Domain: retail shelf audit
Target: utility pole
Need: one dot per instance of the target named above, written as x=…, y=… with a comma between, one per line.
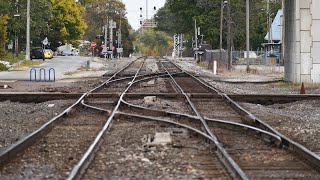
x=283, y=33
x=28, y=31
x=229, y=37
x=120, y=37
x=16, y=39
x=268, y=20
x=221, y=28
x=147, y=9
x=248, y=32
x=105, y=39
x=196, y=38
x=111, y=25
x=141, y=21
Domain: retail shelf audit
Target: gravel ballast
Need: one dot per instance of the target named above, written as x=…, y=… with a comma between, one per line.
x=298, y=120
x=19, y=119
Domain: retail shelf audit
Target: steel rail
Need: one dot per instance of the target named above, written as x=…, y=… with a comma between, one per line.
x=19, y=146
x=235, y=125
x=225, y=123
x=229, y=163
x=221, y=153
x=14, y=149
x=36, y=97
x=297, y=148
x=166, y=121
x=113, y=76
x=130, y=77
x=95, y=108
x=160, y=112
x=197, y=79
x=191, y=104
x=88, y=156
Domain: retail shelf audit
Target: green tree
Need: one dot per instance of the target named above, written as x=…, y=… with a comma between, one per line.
x=67, y=25
x=3, y=34
x=98, y=13
x=155, y=43
x=177, y=16
x=4, y=11
x=4, y=7
x=40, y=13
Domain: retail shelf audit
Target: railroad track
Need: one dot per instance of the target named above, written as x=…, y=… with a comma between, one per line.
x=110, y=133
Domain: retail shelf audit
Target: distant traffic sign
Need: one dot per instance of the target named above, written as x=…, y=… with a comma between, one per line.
x=93, y=44
x=45, y=41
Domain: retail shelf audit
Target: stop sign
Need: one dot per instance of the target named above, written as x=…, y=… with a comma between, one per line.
x=93, y=44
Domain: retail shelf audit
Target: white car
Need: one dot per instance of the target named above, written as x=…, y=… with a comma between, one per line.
x=75, y=52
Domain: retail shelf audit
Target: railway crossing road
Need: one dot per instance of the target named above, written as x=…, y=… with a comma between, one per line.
x=62, y=65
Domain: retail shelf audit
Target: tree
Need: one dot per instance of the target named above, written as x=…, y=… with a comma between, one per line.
x=41, y=14
x=4, y=10
x=155, y=43
x=67, y=25
x=4, y=7
x=177, y=16
x=3, y=34
x=97, y=15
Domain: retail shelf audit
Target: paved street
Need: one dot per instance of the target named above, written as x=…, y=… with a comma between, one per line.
x=61, y=64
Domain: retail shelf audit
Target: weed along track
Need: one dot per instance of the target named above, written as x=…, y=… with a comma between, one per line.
x=152, y=120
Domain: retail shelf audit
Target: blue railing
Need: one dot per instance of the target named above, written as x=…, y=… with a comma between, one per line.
x=42, y=75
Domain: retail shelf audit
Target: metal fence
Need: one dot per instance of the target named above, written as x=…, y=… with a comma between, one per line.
x=240, y=58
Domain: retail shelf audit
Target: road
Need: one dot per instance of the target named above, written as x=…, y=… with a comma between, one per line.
x=61, y=64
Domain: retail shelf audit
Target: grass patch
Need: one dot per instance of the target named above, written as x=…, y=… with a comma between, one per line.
x=25, y=65
x=31, y=63
x=3, y=67
x=202, y=64
x=10, y=57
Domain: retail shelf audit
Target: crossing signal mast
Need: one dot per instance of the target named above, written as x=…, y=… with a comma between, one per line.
x=147, y=23
x=178, y=45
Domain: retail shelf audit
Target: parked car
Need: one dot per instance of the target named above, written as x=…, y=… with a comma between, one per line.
x=75, y=52
x=37, y=53
x=48, y=54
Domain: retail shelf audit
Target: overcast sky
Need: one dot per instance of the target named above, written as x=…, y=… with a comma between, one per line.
x=133, y=10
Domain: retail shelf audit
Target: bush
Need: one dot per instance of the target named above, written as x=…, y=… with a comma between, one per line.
x=10, y=57
x=3, y=67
